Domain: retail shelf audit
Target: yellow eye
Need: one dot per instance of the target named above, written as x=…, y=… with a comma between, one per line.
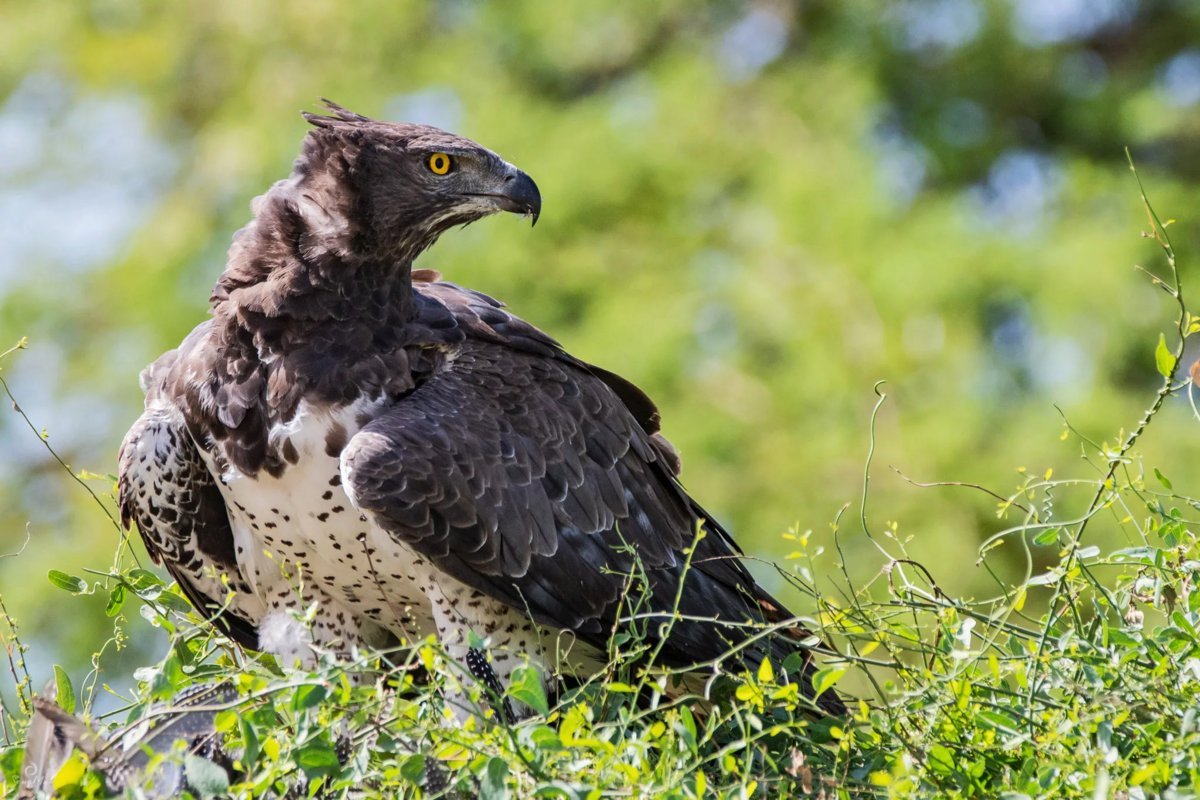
x=439, y=163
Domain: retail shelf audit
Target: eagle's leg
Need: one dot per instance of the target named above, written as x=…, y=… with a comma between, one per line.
x=512, y=640
x=481, y=669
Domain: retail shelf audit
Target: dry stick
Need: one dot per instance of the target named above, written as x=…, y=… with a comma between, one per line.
x=1175, y=290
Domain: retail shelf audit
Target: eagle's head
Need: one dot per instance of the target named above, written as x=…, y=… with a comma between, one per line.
x=390, y=189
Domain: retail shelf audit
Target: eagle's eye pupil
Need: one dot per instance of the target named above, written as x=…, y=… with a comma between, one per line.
x=439, y=163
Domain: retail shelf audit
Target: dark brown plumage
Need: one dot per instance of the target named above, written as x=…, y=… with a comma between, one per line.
x=428, y=462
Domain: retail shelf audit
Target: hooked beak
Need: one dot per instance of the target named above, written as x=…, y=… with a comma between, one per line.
x=518, y=194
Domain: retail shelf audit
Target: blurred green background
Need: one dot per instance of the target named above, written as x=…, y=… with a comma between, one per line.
x=755, y=210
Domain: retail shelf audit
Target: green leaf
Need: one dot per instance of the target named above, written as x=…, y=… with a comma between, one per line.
x=71, y=774
x=1119, y=638
x=1164, y=359
x=825, y=678
x=11, y=761
x=1145, y=772
x=617, y=687
x=412, y=769
x=1046, y=537
x=66, y=582
x=941, y=760
x=174, y=602
x=116, y=600
x=205, y=777
x=225, y=721
x=142, y=579
x=1163, y=480
x=998, y=721
x=308, y=696
x=493, y=784
x=1182, y=621
x=689, y=728
x=64, y=691
x=543, y=737
x=252, y=744
x=525, y=685
x=317, y=759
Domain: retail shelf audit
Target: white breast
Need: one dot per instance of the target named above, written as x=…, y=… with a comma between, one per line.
x=300, y=535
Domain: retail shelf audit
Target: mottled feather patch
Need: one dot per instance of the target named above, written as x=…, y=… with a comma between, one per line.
x=335, y=440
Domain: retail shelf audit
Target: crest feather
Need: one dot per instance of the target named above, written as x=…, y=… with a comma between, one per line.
x=340, y=116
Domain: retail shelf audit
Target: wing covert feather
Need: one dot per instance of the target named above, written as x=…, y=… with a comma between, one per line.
x=529, y=479
x=165, y=487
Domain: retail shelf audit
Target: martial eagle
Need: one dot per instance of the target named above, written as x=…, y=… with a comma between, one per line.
x=403, y=453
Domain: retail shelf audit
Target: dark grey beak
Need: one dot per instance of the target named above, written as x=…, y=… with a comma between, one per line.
x=520, y=195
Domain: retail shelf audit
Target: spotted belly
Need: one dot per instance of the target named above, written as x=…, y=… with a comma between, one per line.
x=299, y=539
